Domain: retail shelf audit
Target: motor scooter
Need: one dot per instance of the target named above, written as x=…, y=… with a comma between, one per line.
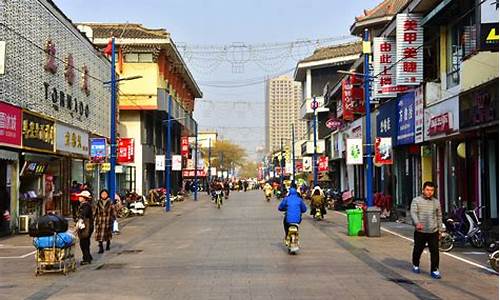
x=493, y=256
x=292, y=239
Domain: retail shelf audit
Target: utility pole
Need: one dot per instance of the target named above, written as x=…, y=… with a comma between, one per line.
x=112, y=156
x=196, y=165
x=293, y=150
x=369, y=169
x=168, y=159
x=209, y=159
x=282, y=160
x=315, y=120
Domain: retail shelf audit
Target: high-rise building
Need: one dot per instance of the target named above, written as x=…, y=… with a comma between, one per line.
x=283, y=100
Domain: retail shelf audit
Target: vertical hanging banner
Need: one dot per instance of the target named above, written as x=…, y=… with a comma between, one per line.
x=354, y=151
x=176, y=162
x=307, y=164
x=185, y=146
x=409, y=49
x=125, y=151
x=419, y=114
x=352, y=97
x=384, y=56
x=160, y=163
x=383, y=150
x=323, y=164
x=98, y=150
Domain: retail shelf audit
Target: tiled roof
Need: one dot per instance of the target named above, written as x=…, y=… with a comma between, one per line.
x=125, y=30
x=385, y=8
x=335, y=51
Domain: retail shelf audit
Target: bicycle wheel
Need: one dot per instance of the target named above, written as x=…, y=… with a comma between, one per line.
x=477, y=240
x=446, y=243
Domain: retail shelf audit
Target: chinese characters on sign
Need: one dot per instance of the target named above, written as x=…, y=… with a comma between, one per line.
x=160, y=163
x=50, y=64
x=38, y=132
x=352, y=97
x=440, y=124
x=323, y=164
x=176, y=163
x=384, y=56
x=72, y=140
x=383, y=150
x=419, y=114
x=409, y=52
x=406, y=119
x=185, y=146
x=125, y=150
x=10, y=124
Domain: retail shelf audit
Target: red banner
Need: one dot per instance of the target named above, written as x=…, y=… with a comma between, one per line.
x=10, y=124
x=299, y=166
x=125, y=150
x=190, y=173
x=323, y=164
x=383, y=151
x=352, y=97
x=185, y=146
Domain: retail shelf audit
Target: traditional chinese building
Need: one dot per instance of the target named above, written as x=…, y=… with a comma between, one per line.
x=52, y=100
x=152, y=54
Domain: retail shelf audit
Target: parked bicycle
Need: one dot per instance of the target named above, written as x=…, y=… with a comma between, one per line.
x=462, y=228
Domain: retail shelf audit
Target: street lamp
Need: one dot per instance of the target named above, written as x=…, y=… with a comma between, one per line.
x=315, y=105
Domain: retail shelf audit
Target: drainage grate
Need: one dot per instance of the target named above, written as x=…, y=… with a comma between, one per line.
x=401, y=281
x=129, y=251
x=111, y=266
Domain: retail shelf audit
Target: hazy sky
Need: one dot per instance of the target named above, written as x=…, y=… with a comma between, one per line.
x=236, y=112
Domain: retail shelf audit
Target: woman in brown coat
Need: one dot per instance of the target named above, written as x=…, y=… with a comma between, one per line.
x=104, y=216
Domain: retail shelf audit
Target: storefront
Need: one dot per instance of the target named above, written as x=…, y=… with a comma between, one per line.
x=386, y=128
x=477, y=150
x=10, y=142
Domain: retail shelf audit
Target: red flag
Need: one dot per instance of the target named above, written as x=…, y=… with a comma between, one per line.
x=109, y=48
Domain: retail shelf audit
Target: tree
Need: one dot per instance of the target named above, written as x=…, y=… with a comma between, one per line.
x=226, y=155
x=249, y=170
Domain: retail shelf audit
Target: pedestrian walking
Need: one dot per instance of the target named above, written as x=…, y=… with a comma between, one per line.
x=427, y=217
x=85, y=225
x=104, y=217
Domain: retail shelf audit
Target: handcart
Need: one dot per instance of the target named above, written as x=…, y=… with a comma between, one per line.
x=55, y=259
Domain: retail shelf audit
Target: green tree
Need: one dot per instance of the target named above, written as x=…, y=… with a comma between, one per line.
x=249, y=170
x=226, y=155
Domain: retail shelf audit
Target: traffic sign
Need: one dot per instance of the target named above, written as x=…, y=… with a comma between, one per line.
x=314, y=104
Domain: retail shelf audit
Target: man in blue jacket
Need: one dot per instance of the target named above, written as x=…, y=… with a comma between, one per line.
x=293, y=206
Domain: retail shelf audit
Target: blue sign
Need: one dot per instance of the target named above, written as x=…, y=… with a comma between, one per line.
x=386, y=120
x=406, y=119
x=98, y=149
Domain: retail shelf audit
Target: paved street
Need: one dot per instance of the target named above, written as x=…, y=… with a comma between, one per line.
x=199, y=252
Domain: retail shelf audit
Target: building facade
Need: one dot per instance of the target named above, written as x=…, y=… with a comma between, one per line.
x=53, y=101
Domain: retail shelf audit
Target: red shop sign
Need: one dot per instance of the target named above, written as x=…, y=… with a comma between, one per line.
x=10, y=125
x=299, y=166
x=352, y=97
x=125, y=150
x=323, y=164
x=184, y=146
x=440, y=124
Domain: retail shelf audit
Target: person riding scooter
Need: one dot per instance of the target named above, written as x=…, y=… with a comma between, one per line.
x=318, y=202
x=268, y=191
x=294, y=207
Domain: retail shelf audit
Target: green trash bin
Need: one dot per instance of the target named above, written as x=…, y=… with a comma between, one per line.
x=354, y=221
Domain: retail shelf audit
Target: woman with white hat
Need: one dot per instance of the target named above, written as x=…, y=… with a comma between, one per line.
x=85, y=225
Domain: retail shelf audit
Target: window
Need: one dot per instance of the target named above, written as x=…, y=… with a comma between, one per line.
x=138, y=57
x=131, y=57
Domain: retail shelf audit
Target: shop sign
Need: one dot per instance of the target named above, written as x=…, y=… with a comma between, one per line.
x=323, y=164
x=177, y=163
x=354, y=151
x=2, y=57
x=190, y=173
x=71, y=140
x=299, y=166
x=185, y=146
x=307, y=164
x=384, y=57
x=409, y=49
x=10, y=124
x=160, y=163
x=34, y=168
x=38, y=132
x=333, y=123
x=489, y=25
x=479, y=107
x=105, y=167
x=125, y=150
x=383, y=150
x=442, y=123
x=386, y=119
x=213, y=171
x=406, y=119
x=190, y=164
x=64, y=101
x=89, y=167
x=352, y=97
x=98, y=151
x=419, y=114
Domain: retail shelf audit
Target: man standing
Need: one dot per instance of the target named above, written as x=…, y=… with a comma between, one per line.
x=426, y=215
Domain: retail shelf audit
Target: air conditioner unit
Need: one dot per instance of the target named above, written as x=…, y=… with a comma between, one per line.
x=24, y=222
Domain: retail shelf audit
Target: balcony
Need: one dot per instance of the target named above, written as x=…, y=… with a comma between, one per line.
x=307, y=148
x=306, y=111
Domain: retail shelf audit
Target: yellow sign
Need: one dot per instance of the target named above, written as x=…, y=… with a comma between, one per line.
x=493, y=35
x=89, y=167
x=105, y=167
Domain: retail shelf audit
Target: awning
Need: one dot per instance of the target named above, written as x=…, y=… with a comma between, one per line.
x=8, y=155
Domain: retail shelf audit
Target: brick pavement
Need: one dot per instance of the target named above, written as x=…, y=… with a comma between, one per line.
x=199, y=252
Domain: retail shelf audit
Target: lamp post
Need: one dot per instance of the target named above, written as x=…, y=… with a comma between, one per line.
x=315, y=120
x=369, y=169
x=281, y=162
x=293, y=150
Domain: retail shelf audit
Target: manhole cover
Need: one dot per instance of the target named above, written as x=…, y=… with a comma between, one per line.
x=129, y=251
x=401, y=281
x=110, y=266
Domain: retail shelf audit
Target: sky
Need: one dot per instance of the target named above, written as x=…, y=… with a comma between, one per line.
x=232, y=80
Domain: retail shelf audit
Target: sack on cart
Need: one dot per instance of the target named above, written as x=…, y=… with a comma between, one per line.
x=48, y=225
x=52, y=255
x=59, y=240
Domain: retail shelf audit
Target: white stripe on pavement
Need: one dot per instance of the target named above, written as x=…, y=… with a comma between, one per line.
x=444, y=253
x=22, y=256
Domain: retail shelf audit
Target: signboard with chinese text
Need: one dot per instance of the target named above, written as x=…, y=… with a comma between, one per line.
x=299, y=166
x=354, y=151
x=419, y=114
x=383, y=150
x=98, y=150
x=11, y=118
x=125, y=151
x=185, y=146
x=38, y=132
x=323, y=164
x=409, y=49
x=176, y=162
x=386, y=119
x=160, y=163
x=406, y=119
x=442, y=123
x=352, y=97
x=384, y=56
x=307, y=164
x=441, y=119
x=72, y=140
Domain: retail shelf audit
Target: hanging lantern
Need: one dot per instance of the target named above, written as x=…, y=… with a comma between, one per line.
x=461, y=150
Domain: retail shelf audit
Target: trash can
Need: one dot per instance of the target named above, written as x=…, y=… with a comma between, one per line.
x=372, y=221
x=354, y=221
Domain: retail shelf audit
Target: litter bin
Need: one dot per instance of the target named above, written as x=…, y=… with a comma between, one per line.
x=354, y=221
x=372, y=221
